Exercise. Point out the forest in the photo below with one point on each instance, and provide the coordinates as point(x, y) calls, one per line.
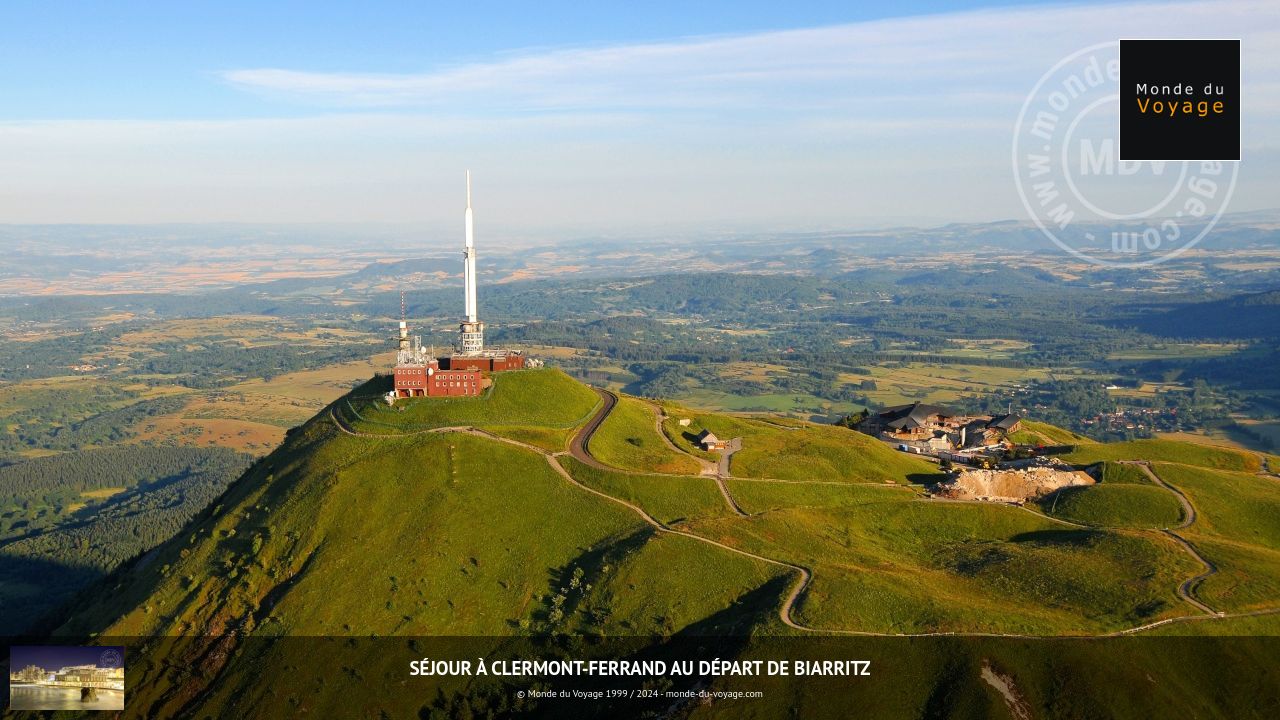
point(68, 519)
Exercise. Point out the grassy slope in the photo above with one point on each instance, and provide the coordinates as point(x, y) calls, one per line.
point(1238, 529)
point(1033, 433)
point(883, 560)
point(809, 452)
point(424, 566)
point(1114, 473)
point(1166, 451)
point(338, 535)
point(1116, 505)
point(544, 398)
point(628, 439)
point(668, 499)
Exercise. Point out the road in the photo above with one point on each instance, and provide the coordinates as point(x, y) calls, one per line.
point(803, 575)
point(1188, 586)
point(581, 439)
point(731, 447)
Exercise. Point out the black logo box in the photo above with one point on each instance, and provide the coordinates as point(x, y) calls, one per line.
point(1205, 73)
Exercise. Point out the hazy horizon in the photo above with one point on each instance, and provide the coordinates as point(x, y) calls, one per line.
point(828, 121)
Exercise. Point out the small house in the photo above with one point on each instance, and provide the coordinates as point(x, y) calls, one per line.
point(707, 440)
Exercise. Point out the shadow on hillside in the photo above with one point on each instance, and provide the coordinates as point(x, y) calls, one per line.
point(570, 581)
point(35, 590)
point(1074, 538)
point(926, 478)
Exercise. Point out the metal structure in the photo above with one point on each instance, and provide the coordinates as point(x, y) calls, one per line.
point(471, 331)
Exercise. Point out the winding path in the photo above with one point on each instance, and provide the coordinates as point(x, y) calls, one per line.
point(1188, 586)
point(579, 449)
point(722, 472)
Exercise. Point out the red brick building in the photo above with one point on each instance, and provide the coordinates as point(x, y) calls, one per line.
point(490, 361)
point(428, 380)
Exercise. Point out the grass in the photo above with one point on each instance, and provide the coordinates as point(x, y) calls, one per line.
point(549, 439)
point(628, 439)
point(1239, 507)
point(1115, 473)
point(544, 398)
point(1166, 451)
point(1238, 529)
point(434, 534)
point(1036, 433)
point(885, 561)
point(757, 496)
point(807, 452)
point(425, 567)
point(668, 499)
point(1115, 505)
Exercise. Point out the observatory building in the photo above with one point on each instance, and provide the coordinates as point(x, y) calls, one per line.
point(419, 373)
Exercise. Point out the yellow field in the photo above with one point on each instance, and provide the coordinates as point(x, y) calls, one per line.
point(101, 493)
point(317, 387)
point(1147, 390)
point(253, 415)
point(993, 347)
point(246, 330)
point(752, 371)
point(938, 383)
point(252, 437)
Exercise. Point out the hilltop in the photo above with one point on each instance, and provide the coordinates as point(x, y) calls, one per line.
point(545, 508)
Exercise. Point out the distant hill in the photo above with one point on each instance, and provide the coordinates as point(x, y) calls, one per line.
point(1255, 315)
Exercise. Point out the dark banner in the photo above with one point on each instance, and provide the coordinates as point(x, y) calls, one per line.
point(429, 677)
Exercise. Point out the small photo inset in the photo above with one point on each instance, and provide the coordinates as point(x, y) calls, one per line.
point(66, 677)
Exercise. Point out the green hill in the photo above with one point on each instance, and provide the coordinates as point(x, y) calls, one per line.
point(1118, 505)
point(374, 528)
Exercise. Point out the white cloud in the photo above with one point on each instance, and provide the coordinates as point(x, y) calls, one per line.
point(838, 126)
point(962, 55)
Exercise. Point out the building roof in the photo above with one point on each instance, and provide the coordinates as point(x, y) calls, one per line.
point(907, 417)
point(1004, 422)
point(706, 436)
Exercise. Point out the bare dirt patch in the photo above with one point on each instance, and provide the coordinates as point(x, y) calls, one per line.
point(1012, 486)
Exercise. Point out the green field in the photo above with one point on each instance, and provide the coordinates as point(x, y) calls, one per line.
point(627, 439)
point(1166, 451)
point(980, 567)
point(803, 452)
point(669, 500)
point(1116, 473)
point(768, 402)
point(1037, 433)
point(1119, 505)
point(1238, 529)
point(545, 398)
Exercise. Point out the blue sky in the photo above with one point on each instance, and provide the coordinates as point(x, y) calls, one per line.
point(148, 60)
point(576, 118)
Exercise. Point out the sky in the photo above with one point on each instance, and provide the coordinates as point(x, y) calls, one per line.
point(574, 118)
